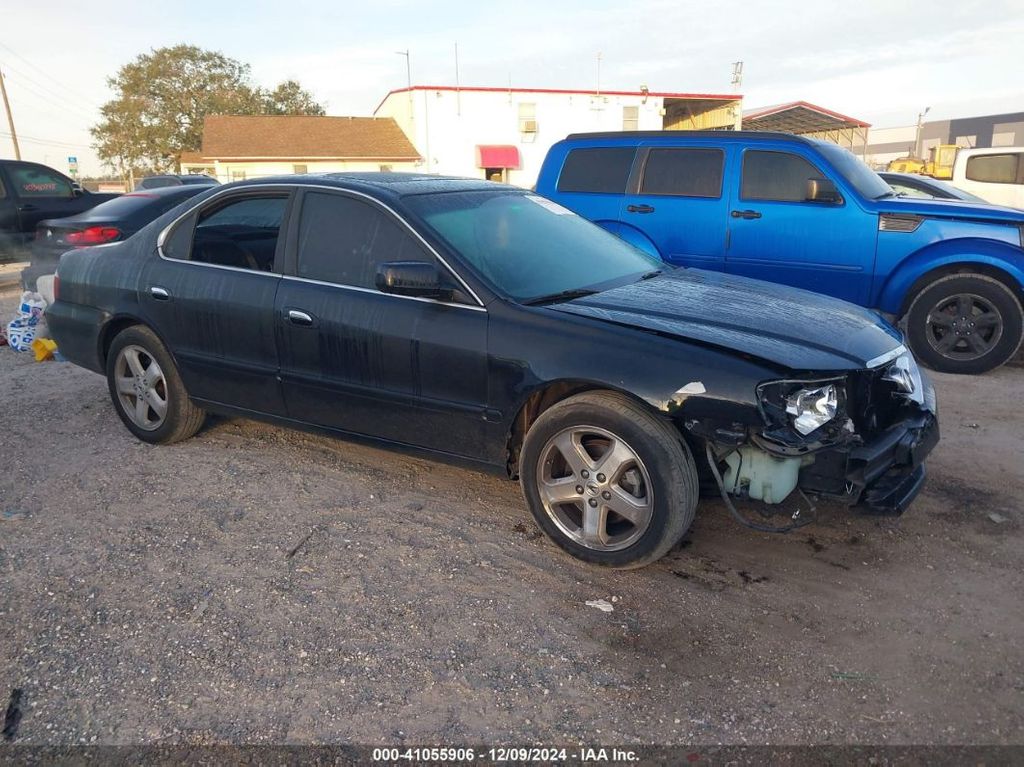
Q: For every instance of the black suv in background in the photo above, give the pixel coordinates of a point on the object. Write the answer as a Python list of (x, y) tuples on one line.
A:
[(30, 193)]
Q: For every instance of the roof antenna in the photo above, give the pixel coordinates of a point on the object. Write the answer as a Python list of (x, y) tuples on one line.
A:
[(737, 75)]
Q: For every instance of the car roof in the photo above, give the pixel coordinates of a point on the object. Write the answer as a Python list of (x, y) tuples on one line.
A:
[(385, 184), (669, 136)]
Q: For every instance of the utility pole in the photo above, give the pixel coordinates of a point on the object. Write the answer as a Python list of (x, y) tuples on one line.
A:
[(10, 118), (598, 73), (917, 136)]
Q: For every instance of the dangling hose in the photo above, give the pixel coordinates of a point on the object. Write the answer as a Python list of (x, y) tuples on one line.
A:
[(739, 517)]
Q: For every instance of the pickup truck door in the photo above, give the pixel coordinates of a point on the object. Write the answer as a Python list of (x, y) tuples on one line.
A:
[(39, 193), (676, 198), (775, 234), (10, 235)]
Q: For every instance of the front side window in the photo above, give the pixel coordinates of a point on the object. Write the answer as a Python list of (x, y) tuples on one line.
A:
[(33, 181), (777, 176), (528, 246), (993, 168), (603, 170), (683, 172), (342, 240), (240, 233)]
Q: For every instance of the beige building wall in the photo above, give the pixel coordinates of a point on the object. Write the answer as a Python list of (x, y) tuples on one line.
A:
[(227, 171)]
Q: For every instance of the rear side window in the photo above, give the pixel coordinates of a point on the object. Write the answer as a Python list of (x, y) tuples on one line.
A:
[(602, 170), (341, 240), (775, 176), (31, 181), (241, 233), (993, 168), (683, 172)]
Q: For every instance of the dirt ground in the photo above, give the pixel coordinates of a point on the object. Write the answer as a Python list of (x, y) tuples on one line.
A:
[(256, 584)]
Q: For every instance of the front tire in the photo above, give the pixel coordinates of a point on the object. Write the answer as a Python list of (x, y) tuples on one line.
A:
[(608, 481), (965, 323), (147, 390)]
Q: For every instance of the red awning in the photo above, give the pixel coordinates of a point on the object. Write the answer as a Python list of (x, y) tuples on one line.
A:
[(500, 156)]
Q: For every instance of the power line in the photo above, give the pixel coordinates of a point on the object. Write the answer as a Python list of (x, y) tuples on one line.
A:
[(73, 93), (90, 112), (48, 142)]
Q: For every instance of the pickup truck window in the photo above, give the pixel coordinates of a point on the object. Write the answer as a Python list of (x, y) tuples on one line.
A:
[(683, 172), (993, 168), (30, 181), (601, 170), (775, 176)]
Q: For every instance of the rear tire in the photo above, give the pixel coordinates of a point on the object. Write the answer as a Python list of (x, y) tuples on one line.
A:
[(607, 481), (965, 323), (147, 390)]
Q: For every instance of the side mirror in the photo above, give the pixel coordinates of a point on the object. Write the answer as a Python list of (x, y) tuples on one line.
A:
[(77, 190), (822, 190), (410, 278)]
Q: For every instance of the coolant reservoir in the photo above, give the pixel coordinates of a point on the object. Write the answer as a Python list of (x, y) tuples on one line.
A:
[(755, 474)]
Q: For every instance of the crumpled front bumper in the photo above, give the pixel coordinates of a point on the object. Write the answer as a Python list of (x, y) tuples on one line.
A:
[(885, 475)]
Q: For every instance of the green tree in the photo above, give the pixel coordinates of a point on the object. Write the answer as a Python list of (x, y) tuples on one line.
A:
[(290, 98), (162, 97)]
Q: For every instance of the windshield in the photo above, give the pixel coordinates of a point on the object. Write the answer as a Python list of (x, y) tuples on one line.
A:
[(529, 247), (864, 180)]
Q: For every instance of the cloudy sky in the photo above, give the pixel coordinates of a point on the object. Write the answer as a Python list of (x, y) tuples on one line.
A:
[(880, 61)]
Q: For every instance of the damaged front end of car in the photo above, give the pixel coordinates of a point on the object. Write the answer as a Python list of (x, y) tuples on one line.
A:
[(858, 437)]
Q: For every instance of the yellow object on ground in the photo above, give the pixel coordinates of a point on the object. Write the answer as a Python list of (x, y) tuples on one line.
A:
[(44, 348)]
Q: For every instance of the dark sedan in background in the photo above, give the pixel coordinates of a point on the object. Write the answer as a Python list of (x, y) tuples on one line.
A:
[(112, 221), (482, 323), (913, 185)]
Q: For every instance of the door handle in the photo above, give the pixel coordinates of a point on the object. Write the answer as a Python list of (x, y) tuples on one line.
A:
[(27, 208), (639, 209), (745, 214), (297, 317), (160, 294)]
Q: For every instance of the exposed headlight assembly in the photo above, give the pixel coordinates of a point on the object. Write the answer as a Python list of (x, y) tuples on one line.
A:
[(904, 372), (802, 407), (813, 408)]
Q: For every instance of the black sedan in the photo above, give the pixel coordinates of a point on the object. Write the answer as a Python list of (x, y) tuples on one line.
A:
[(112, 221), (913, 185), (485, 324)]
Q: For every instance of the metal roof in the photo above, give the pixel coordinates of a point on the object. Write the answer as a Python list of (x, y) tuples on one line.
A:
[(798, 117)]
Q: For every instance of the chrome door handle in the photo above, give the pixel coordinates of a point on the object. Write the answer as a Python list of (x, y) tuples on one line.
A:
[(297, 317), (160, 294)]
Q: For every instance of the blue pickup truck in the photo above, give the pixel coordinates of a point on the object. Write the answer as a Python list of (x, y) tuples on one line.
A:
[(807, 213)]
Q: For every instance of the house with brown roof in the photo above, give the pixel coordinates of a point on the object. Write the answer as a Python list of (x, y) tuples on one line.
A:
[(237, 147)]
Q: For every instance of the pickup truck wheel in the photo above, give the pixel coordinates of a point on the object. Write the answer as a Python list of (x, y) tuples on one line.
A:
[(607, 481), (147, 391), (965, 323)]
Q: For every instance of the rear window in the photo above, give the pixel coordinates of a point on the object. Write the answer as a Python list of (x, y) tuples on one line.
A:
[(136, 202), (683, 172), (604, 170), (993, 168)]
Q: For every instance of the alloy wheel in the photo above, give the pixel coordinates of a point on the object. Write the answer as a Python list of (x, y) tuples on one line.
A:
[(964, 327), (141, 387), (595, 488)]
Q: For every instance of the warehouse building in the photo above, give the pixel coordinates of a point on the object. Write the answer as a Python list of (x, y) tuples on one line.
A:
[(886, 144), (504, 133)]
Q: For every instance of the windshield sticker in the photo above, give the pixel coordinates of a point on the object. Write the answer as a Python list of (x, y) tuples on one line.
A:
[(554, 207)]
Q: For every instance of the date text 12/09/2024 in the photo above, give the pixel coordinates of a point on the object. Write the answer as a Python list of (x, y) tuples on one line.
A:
[(503, 754)]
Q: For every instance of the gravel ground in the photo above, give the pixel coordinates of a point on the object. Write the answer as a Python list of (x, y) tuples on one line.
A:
[(261, 585)]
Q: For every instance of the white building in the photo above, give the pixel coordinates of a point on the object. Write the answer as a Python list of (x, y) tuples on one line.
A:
[(504, 133)]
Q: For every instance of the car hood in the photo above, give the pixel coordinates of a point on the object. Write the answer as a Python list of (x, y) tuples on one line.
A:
[(789, 327), (961, 209)]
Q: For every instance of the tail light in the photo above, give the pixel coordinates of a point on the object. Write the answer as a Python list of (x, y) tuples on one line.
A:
[(94, 235)]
